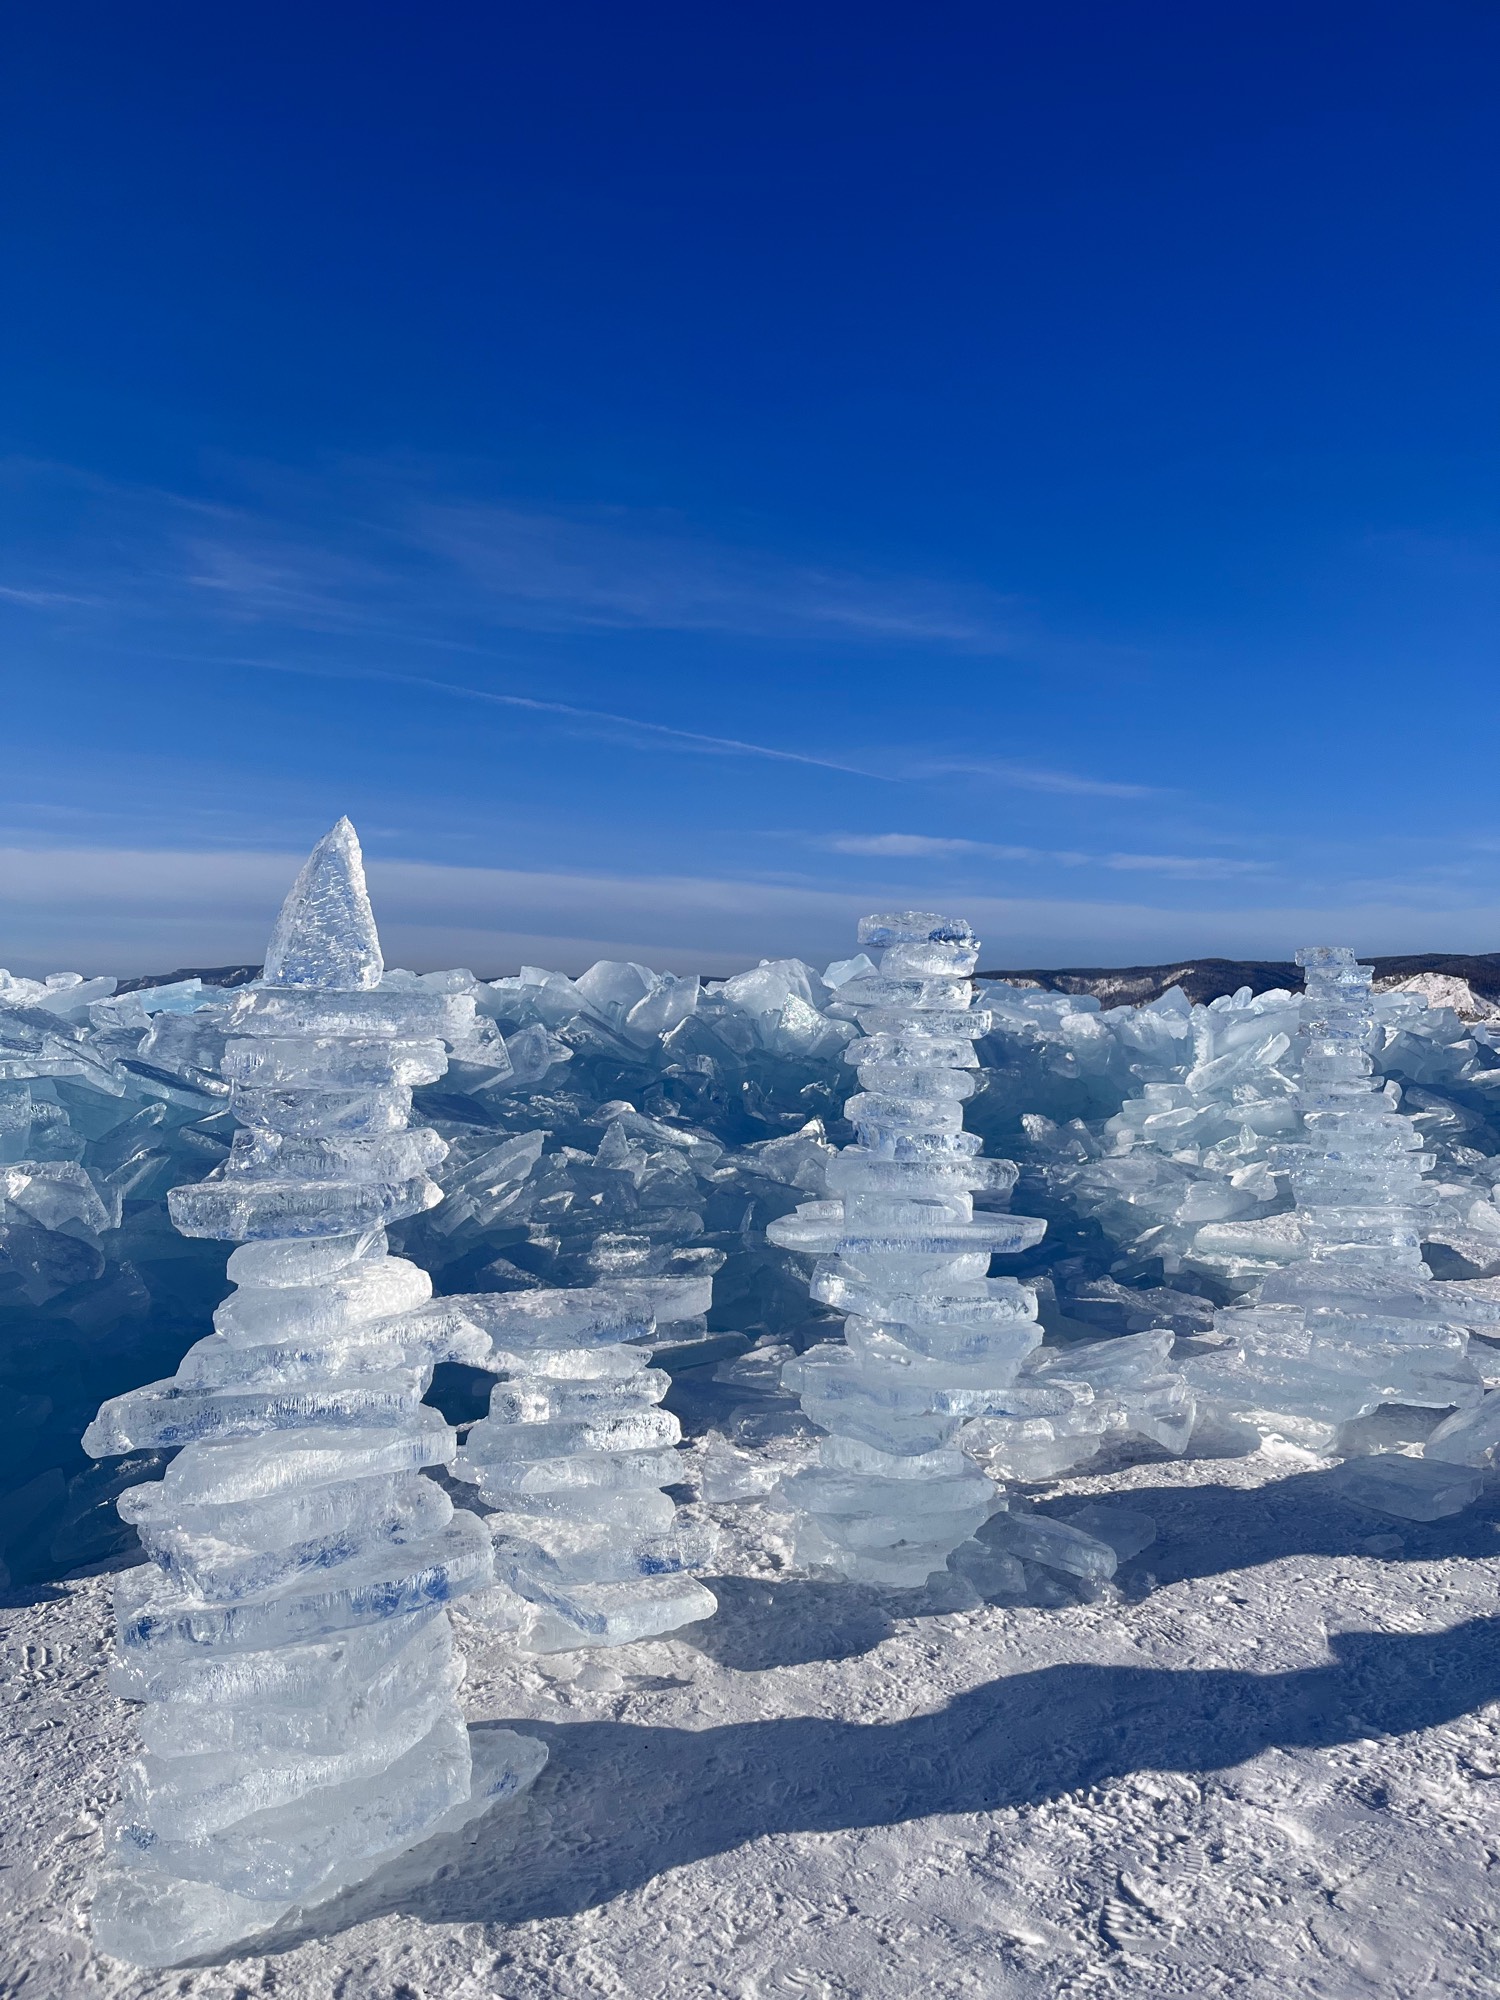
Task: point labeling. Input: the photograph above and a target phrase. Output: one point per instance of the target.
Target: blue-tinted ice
(930, 1340)
(288, 1636)
(1355, 1319)
(574, 1457)
(942, 1368)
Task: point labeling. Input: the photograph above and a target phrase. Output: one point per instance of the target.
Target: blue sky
(680, 476)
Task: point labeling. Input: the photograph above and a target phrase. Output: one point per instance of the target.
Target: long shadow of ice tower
(288, 1636)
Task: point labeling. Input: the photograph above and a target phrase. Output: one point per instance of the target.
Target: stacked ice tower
(574, 1456)
(288, 1635)
(1356, 1321)
(1358, 1180)
(930, 1338)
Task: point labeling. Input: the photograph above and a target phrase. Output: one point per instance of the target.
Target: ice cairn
(930, 1339)
(1357, 1320)
(574, 1455)
(288, 1636)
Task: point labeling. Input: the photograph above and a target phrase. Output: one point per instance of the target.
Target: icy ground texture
(287, 1636)
(1356, 1321)
(929, 1338)
(1260, 1766)
(574, 1456)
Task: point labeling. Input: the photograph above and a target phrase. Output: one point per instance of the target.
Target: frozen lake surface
(1265, 1763)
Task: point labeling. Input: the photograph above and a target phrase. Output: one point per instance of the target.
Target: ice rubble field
(1214, 1722)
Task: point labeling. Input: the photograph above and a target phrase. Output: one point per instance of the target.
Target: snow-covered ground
(1266, 1763)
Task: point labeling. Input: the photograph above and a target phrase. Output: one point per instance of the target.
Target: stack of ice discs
(287, 1635)
(589, 1550)
(930, 1338)
(1356, 1321)
(1358, 1180)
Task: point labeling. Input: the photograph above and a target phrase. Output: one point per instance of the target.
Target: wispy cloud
(38, 598)
(253, 573)
(568, 569)
(1199, 867)
(922, 845)
(930, 847)
(412, 563)
(1034, 778)
(592, 718)
(368, 554)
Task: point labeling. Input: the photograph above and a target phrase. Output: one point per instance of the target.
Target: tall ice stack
(288, 1636)
(1356, 1320)
(930, 1338)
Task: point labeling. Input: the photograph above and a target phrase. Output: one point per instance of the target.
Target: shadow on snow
(620, 1803)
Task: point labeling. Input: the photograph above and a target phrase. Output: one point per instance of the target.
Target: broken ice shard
(930, 1339)
(288, 1635)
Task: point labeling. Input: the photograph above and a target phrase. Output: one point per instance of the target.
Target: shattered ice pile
(667, 1114)
(1067, 1402)
(1212, 1139)
(1444, 1069)
(56, 1217)
(288, 1636)
(1163, 1128)
(1062, 1058)
(597, 1227)
(574, 1457)
(1356, 1321)
(1183, 1171)
(95, 1289)
(930, 1339)
(631, 1124)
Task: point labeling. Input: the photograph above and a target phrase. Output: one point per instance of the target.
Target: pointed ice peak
(325, 935)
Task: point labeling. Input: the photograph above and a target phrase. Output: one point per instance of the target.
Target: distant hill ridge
(211, 975)
(1468, 982)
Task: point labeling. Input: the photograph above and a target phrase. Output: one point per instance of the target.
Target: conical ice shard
(288, 1636)
(325, 935)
